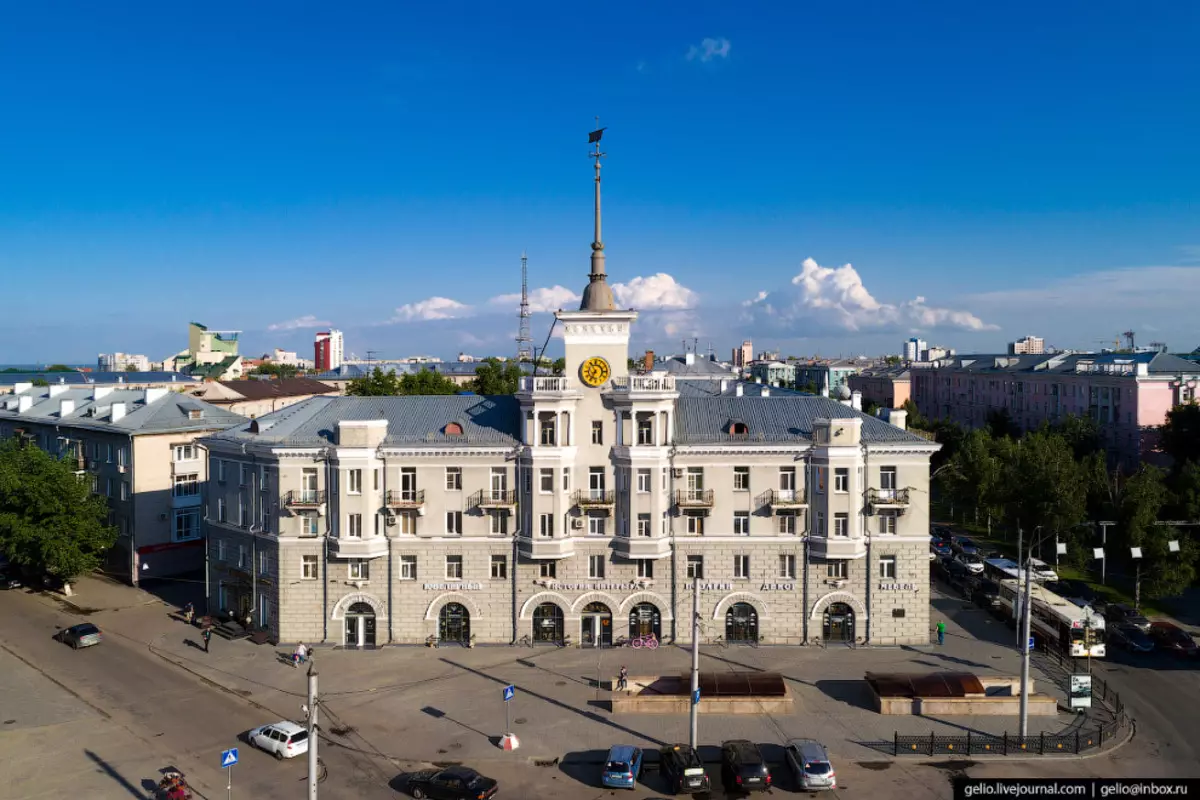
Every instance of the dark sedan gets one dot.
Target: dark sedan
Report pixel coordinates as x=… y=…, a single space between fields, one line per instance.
x=1172 y=639
x=1130 y=637
x=1123 y=612
x=452 y=783
x=9 y=581
x=85 y=634
x=683 y=770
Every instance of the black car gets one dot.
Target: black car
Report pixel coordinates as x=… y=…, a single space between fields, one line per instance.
x=986 y=594
x=743 y=767
x=452 y=783
x=682 y=769
x=1173 y=639
x=1123 y=612
x=9 y=580
x=1130 y=637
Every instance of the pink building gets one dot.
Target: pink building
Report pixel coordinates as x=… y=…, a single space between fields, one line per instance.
x=888 y=387
x=1129 y=394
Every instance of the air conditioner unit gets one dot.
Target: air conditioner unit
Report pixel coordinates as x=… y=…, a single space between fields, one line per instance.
x=121 y=468
x=390 y=519
x=677 y=472
x=577 y=524
x=162 y=517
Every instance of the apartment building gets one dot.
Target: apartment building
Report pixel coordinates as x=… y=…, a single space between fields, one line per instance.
x=175 y=381
x=773 y=373
x=887 y=387
x=254 y=398
x=328 y=350
x=122 y=362
x=1128 y=394
x=139 y=448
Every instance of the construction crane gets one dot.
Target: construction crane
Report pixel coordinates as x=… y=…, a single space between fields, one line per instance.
x=1129 y=338
x=1116 y=343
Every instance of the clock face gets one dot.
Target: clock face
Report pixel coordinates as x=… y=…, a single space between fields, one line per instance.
x=595 y=371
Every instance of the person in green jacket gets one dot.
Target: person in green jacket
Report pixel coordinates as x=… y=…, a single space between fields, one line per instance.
x=941 y=631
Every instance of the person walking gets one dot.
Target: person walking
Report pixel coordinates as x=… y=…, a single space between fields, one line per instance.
x=299 y=655
x=941 y=632
x=189 y=613
x=206 y=635
x=622 y=679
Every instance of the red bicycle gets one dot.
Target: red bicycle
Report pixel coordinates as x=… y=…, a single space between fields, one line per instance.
x=649 y=641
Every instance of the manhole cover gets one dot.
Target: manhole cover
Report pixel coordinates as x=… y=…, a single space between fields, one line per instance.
x=9 y=721
x=519 y=721
x=560 y=683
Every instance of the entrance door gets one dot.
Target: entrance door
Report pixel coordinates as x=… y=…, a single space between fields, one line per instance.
x=741 y=624
x=839 y=623
x=695 y=482
x=644 y=620
x=454 y=624
x=360 y=626
x=548 y=623
x=408 y=484
x=308 y=486
x=499 y=483
x=596 y=622
x=596 y=483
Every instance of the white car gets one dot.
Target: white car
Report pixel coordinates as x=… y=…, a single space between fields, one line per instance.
x=973 y=563
x=281 y=739
x=1042 y=571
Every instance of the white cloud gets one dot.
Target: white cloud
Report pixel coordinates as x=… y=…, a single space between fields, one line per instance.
x=653 y=292
x=708 y=49
x=823 y=300
x=540 y=300
x=432 y=308
x=307 y=321
x=1162 y=290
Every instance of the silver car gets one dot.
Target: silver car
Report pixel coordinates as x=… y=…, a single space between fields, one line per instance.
x=85 y=634
x=810 y=765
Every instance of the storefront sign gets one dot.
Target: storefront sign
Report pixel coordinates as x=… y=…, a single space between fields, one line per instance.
x=897 y=587
x=452 y=587
x=777 y=587
x=716 y=587
x=1081 y=691
x=597 y=585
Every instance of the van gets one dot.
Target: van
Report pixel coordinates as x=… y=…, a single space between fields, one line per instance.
x=810 y=764
x=623 y=767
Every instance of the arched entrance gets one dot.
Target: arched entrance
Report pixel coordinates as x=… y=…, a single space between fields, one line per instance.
x=454 y=623
x=596 y=625
x=741 y=624
x=838 y=624
x=360 y=625
x=644 y=620
x=548 y=623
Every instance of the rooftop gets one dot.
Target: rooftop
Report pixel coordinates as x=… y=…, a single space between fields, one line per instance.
x=1162 y=364
x=94 y=378
x=146 y=410
x=285 y=387
x=782 y=419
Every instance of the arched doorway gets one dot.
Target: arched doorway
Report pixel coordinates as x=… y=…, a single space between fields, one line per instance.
x=454 y=624
x=360 y=626
x=596 y=625
x=548 y=623
x=838 y=624
x=741 y=624
x=644 y=620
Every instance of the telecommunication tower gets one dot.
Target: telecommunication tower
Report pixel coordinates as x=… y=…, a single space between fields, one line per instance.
x=524 y=337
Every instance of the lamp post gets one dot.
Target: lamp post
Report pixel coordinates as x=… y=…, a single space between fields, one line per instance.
x=1104 y=543
x=1136 y=554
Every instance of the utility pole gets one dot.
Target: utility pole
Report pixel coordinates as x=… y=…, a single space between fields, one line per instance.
x=693 y=738
x=1104 y=544
x=312 y=729
x=1025 y=652
x=1020 y=561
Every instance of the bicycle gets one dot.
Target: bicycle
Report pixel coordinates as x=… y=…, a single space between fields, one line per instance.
x=524 y=641
x=649 y=641
x=719 y=641
x=565 y=641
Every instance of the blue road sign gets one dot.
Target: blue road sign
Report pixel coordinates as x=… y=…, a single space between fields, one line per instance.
x=1031 y=648
x=509 y=692
x=696 y=697
x=229 y=757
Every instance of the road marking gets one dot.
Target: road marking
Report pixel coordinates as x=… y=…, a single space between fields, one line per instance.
x=55 y=681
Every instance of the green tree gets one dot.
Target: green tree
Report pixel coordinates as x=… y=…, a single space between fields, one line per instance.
x=377 y=383
x=59 y=368
x=494 y=377
x=914 y=418
x=40 y=382
x=559 y=366
x=1001 y=424
x=427 y=382
x=810 y=387
x=277 y=370
x=1184 y=483
x=892 y=360
x=131 y=368
x=870 y=407
x=1047 y=487
x=49 y=519
x=974 y=476
x=1082 y=434
x=1180 y=435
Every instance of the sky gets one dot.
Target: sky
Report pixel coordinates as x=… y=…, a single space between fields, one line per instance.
x=817 y=177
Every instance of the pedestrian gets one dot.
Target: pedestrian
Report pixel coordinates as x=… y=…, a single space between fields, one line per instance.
x=189 y=613
x=622 y=679
x=299 y=655
x=206 y=635
x=941 y=631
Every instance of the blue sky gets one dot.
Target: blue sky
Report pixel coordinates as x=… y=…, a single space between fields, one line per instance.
x=1023 y=168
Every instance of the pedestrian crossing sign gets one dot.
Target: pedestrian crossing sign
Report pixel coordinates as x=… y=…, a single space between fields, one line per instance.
x=229 y=757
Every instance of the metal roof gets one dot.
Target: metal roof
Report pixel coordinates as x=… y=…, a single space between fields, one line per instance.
x=94 y=378
x=163 y=414
x=285 y=387
x=773 y=419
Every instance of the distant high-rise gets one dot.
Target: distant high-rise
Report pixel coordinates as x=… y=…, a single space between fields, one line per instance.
x=914 y=349
x=1029 y=346
x=328 y=350
x=743 y=355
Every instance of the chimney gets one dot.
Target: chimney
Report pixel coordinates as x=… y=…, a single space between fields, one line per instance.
x=24 y=403
x=648 y=361
x=737 y=390
x=899 y=418
x=21 y=387
x=156 y=393
x=101 y=391
x=766 y=392
x=65 y=407
x=689 y=358
x=856 y=401
x=724 y=385
x=118 y=412
x=57 y=389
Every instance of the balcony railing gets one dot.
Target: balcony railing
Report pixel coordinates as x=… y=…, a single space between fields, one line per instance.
x=783 y=498
x=405 y=498
x=549 y=385
x=888 y=498
x=644 y=383
x=494 y=498
x=694 y=498
x=594 y=498
x=304 y=498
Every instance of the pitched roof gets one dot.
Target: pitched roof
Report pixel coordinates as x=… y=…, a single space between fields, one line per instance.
x=164 y=413
x=286 y=387
x=701 y=367
x=94 y=378
x=704 y=420
x=1069 y=363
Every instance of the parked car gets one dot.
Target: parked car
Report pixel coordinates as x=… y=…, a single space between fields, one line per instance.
x=85 y=634
x=281 y=739
x=973 y=563
x=743 y=767
x=941 y=533
x=1172 y=639
x=986 y=594
x=451 y=783
x=964 y=544
x=623 y=767
x=1123 y=612
x=941 y=547
x=9 y=580
x=810 y=764
x=1130 y=637
x=1042 y=571
x=682 y=770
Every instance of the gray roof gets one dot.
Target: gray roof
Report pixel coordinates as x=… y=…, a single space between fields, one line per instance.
x=412 y=420
x=75 y=377
x=165 y=413
x=701 y=420
x=1066 y=363
x=712 y=388
x=701 y=367
x=347 y=372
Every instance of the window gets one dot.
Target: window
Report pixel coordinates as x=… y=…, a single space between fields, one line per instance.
x=548 y=569
x=741 y=479
x=547 y=525
x=645 y=430
x=841 y=479
x=408 y=568
x=123 y=456
x=108 y=487
x=124 y=490
x=597 y=432
x=499 y=567
x=820 y=480
x=887 y=479
x=220 y=471
x=108 y=453
x=566 y=479
x=244 y=475
x=595 y=566
x=308 y=568
x=241 y=559
x=836 y=570
x=221 y=554
x=645 y=569
x=308 y=525
x=887 y=567
x=354 y=481
x=499 y=523
x=95 y=484
x=186 y=485
x=841 y=524
x=407 y=521
x=454 y=479
x=596 y=483
x=595 y=526
x=741 y=523
x=354 y=526
x=547 y=431
x=187 y=524
x=741 y=566
x=222 y=516
x=695 y=524
x=787 y=482
x=454 y=522
x=374 y=473
x=360 y=570
x=546 y=480
x=454 y=568
x=787 y=566
x=264 y=562
x=787 y=524
x=820 y=530
x=695 y=567
x=185 y=452
x=643 y=481
x=887 y=522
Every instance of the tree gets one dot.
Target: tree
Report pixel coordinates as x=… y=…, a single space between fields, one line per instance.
x=375 y=384
x=426 y=382
x=1180 y=435
x=40 y=382
x=494 y=376
x=1082 y=434
x=131 y=368
x=914 y=418
x=59 y=368
x=1001 y=424
x=870 y=408
x=892 y=360
x=277 y=370
x=49 y=519
x=973 y=477
x=1046 y=486
x=559 y=366
x=810 y=387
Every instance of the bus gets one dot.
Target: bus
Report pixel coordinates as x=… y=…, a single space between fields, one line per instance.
x=1074 y=630
x=999 y=569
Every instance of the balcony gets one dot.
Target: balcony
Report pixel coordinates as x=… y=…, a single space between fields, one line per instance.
x=406 y=498
x=636 y=548
x=358 y=546
x=545 y=548
x=305 y=500
x=494 y=498
x=783 y=500
x=887 y=498
x=644 y=385
x=836 y=548
x=551 y=386
x=595 y=498
x=694 y=498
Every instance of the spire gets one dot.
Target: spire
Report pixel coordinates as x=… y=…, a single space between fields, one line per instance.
x=524 y=338
x=598 y=295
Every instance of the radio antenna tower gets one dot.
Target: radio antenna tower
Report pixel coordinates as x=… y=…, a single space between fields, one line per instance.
x=524 y=337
